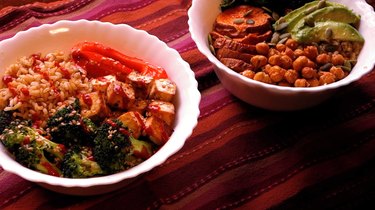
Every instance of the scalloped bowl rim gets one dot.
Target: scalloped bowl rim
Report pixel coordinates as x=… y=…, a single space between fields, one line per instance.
x=204 y=49
x=182 y=130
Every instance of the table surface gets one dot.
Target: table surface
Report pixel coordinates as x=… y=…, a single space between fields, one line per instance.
x=238 y=156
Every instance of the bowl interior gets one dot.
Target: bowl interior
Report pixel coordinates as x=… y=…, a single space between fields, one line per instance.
x=61 y=36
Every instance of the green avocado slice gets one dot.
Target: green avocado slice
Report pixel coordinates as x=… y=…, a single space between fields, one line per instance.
x=331 y=13
x=326 y=31
x=296 y=15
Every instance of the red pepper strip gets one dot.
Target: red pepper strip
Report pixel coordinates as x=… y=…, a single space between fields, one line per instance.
x=131 y=62
x=98 y=66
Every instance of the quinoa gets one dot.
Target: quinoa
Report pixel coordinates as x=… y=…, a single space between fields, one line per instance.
x=38 y=85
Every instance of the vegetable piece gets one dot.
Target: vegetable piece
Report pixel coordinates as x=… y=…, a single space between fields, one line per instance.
x=100 y=60
x=112 y=146
x=79 y=163
x=141 y=149
x=68 y=127
x=5 y=119
x=32 y=149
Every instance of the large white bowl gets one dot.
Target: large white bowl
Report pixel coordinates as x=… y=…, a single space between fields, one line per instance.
x=202 y=15
x=62 y=36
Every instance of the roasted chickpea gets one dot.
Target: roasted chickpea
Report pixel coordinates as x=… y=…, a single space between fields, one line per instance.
x=314 y=82
x=311 y=52
x=248 y=73
x=291 y=76
x=274 y=60
x=280 y=47
x=311 y=64
x=262 y=77
x=300 y=83
x=289 y=52
x=291 y=43
x=262 y=48
x=258 y=61
x=326 y=78
x=272 y=52
x=337 y=59
x=286 y=62
x=323 y=58
x=298 y=52
x=308 y=72
x=276 y=73
x=266 y=68
x=300 y=62
x=284 y=83
x=338 y=72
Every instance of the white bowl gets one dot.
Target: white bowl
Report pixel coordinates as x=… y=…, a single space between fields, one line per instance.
x=62 y=36
x=202 y=15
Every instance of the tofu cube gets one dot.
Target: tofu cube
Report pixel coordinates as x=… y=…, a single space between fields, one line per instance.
x=93 y=106
x=120 y=95
x=157 y=130
x=139 y=106
x=163 y=110
x=101 y=83
x=163 y=89
x=134 y=121
x=141 y=83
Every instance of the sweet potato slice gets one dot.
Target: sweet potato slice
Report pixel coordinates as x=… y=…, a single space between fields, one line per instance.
x=237 y=22
x=228 y=53
x=223 y=42
x=236 y=64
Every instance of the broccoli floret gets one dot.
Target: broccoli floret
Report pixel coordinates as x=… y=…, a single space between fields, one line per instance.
x=79 y=163
x=32 y=149
x=141 y=149
x=68 y=127
x=5 y=119
x=112 y=146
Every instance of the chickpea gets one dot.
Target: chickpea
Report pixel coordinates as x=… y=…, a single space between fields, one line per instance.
x=289 y=52
x=286 y=62
x=326 y=78
x=291 y=43
x=323 y=58
x=274 y=60
x=280 y=47
x=258 y=61
x=337 y=59
x=262 y=48
x=272 y=52
x=291 y=76
x=308 y=73
x=314 y=82
x=311 y=52
x=338 y=72
x=298 y=52
x=248 y=73
x=300 y=83
x=284 y=83
x=266 y=68
x=262 y=77
x=276 y=73
x=300 y=62
x=311 y=64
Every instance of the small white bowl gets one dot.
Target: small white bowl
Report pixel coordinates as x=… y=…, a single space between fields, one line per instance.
x=61 y=36
x=202 y=15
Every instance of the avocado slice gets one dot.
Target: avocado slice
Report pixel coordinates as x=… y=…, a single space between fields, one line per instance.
x=296 y=15
x=328 y=30
x=331 y=13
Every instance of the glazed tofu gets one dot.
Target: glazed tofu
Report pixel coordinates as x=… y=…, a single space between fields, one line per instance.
x=134 y=122
x=101 y=84
x=163 y=110
x=163 y=89
x=139 y=106
x=93 y=106
x=120 y=95
x=157 y=130
x=141 y=83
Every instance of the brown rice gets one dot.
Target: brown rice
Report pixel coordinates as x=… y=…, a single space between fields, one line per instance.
x=36 y=86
